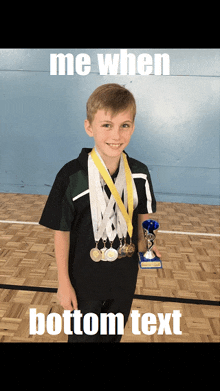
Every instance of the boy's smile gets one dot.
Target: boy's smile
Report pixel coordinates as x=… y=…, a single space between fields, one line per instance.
x=111 y=134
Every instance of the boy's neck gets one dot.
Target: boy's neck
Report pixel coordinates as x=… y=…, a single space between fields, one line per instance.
x=112 y=167
x=111 y=163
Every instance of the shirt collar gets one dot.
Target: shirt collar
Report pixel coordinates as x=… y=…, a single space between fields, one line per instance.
x=83 y=159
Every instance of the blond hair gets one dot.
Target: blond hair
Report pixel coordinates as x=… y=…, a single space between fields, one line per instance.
x=110 y=97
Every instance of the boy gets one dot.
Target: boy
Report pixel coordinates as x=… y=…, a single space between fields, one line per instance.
x=98 y=226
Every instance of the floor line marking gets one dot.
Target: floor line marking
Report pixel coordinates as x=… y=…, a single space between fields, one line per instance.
x=188 y=233
x=136 y=296
x=18 y=222
x=160 y=231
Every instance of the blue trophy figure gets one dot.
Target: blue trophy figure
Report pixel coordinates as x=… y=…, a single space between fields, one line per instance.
x=149 y=260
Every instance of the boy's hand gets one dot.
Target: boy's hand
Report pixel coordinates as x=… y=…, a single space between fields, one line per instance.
x=67 y=296
x=156 y=251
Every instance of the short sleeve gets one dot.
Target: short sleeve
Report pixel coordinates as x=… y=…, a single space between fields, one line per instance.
x=146 y=198
x=58 y=213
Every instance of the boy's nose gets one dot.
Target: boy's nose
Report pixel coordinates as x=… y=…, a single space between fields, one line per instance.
x=116 y=133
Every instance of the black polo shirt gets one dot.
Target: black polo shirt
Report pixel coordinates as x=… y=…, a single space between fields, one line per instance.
x=68 y=209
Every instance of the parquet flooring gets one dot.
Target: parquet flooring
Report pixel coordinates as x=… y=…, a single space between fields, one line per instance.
x=190 y=271
x=198 y=323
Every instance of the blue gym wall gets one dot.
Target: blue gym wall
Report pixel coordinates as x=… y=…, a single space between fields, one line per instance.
x=177 y=123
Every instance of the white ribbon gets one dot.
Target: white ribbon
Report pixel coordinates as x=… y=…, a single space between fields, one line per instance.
x=102 y=208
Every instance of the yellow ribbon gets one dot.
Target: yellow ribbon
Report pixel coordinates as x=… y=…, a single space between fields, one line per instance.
x=108 y=180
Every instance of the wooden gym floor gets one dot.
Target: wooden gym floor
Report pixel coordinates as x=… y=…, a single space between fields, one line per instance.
x=188 y=282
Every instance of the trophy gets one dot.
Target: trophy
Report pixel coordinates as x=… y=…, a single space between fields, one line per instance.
x=149 y=260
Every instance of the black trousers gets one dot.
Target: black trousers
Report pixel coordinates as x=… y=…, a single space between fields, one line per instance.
x=97 y=307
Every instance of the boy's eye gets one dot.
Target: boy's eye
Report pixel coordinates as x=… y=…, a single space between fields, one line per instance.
x=126 y=126
x=106 y=125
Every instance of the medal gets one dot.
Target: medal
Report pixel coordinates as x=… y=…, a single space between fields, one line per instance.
x=96 y=254
x=125 y=249
x=130 y=250
x=111 y=254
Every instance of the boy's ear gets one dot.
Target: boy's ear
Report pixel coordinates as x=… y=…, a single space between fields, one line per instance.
x=88 y=128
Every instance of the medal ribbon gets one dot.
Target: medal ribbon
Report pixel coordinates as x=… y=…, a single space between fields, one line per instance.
x=107 y=178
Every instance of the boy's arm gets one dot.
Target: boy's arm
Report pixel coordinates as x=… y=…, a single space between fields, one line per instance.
x=62 y=246
x=66 y=293
x=141 y=240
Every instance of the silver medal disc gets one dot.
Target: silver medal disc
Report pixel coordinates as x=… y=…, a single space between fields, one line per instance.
x=111 y=254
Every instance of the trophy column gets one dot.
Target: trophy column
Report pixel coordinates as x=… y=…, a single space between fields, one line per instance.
x=149 y=260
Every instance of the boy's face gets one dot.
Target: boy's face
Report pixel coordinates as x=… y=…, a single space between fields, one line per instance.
x=111 y=133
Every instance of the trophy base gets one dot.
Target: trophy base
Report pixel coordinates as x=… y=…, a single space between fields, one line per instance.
x=153 y=263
